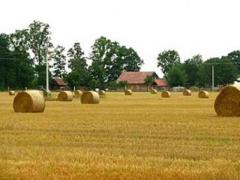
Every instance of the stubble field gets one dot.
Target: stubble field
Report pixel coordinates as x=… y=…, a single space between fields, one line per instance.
x=142 y=136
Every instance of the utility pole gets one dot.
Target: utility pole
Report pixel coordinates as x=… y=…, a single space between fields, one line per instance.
x=47 y=77
x=212 y=77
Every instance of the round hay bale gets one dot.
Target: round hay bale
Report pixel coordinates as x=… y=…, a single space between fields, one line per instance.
x=65 y=96
x=90 y=97
x=187 y=92
x=154 y=91
x=227 y=102
x=78 y=93
x=29 y=101
x=203 y=94
x=128 y=92
x=166 y=94
x=47 y=93
x=102 y=92
x=11 y=93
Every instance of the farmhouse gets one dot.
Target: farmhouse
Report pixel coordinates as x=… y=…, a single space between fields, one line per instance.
x=160 y=83
x=136 y=80
x=58 y=83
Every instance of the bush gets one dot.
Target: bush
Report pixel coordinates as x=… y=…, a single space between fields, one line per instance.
x=123 y=84
x=194 y=88
x=113 y=85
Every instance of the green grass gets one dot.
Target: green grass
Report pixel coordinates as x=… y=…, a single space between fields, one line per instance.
x=142 y=136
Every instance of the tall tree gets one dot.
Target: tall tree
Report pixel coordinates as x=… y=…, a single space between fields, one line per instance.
x=25 y=69
x=5 y=62
x=39 y=43
x=109 y=59
x=19 y=40
x=79 y=75
x=59 y=65
x=167 y=59
x=125 y=59
x=234 y=56
x=16 y=67
x=103 y=53
x=225 y=72
x=191 y=67
x=176 y=76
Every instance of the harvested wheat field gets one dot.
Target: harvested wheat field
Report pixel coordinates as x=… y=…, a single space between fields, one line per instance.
x=125 y=137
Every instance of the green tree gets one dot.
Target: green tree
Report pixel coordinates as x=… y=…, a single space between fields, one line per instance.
x=123 y=84
x=24 y=71
x=19 y=40
x=126 y=59
x=59 y=65
x=225 y=72
x=79 y=75
x=109 y=59
x=113 y=85
x=103 y=51
x=39 y=44
x=167 y=59
x=234 y=56
x=6 y=74
x=191 y=67
x=16 y=67
x=149 y=80
x=176 y=76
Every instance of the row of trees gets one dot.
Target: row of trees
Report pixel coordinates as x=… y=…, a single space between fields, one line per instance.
x=196 y=72
x=23 y=57
x=24 y=53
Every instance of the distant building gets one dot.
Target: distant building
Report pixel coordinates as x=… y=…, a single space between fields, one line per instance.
x=160 y=83
x=58 y=83
x=136 y=80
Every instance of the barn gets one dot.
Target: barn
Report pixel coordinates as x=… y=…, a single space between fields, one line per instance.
x=58 y=83
x=160 y=84
x=136 y=80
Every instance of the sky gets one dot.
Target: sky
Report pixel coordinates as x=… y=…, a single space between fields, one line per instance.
x=207 y=27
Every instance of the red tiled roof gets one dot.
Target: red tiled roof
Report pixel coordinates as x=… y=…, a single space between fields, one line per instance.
x=59 y=81
x=161 y=83
x=135 y=77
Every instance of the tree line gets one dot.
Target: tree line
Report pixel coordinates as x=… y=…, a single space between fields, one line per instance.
x=196 y=72
x=23 y=56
